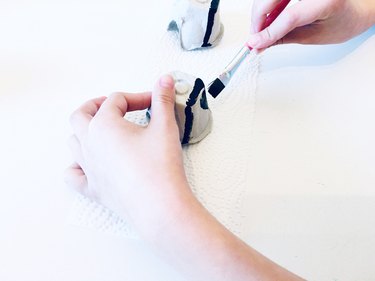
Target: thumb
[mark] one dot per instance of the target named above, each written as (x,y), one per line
(163,100)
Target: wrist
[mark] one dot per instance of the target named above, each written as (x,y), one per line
(154,214)
(174,216)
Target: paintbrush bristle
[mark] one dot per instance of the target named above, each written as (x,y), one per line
(216,87)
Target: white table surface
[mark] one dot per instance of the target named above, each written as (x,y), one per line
(311,205)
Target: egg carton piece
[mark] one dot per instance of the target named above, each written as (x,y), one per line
(197,23)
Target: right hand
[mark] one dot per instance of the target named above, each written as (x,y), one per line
(311,22)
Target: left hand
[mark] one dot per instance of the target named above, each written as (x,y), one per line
(136,171)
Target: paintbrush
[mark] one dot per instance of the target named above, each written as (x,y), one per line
(218,85)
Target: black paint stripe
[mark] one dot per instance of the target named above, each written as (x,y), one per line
(189,117)
(210,22)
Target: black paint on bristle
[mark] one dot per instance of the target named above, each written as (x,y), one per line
(216,87)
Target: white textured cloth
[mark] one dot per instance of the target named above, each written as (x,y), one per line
(216,167)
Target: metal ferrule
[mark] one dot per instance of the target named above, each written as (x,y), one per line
(231,68)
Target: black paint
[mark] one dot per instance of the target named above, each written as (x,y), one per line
(210,22)
(216,87)
(189,117)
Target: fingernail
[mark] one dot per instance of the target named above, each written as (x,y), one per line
(166,82)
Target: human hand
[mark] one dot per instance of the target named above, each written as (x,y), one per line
(311,22)
(136,171)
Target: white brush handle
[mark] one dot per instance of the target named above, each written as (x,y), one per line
(231,68)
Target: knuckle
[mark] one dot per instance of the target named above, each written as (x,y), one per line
(100,126)
(265,38)
(97,123)
(290,18)
(115,95)
(165,98)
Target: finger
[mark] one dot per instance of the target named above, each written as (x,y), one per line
(76,178)
(117,104)
(81,118)
(259,13)
(316,33)
(75,148)
(163,101)
(309,34)
(300,14)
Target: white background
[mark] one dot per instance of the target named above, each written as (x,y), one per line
(311,205)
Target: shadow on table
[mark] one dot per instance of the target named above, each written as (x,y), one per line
(293,55)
